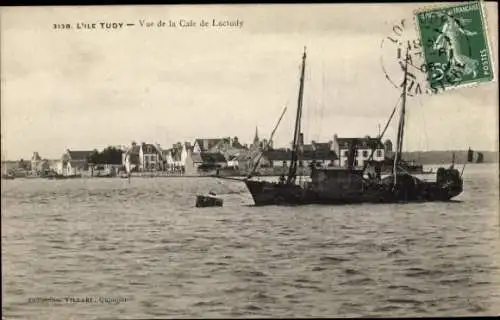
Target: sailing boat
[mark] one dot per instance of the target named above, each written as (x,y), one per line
(348,185)
(128,165)
(470,156)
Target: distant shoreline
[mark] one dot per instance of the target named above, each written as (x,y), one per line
(187,176)
(432,157)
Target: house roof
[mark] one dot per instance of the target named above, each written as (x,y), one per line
(79,155)
(208,157)
(36,157)
(360,143)
(317,146)
(206,144)
(176,153)
(238,145)
(286,155)
(212,157)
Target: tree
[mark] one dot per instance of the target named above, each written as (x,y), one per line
(94,157)
(110,155)
(23,164)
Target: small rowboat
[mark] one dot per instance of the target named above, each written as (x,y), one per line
(208,201)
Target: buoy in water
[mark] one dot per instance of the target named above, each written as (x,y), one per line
(208,201)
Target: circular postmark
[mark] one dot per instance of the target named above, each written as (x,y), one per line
(393,53)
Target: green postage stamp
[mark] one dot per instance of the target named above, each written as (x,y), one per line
(455,45)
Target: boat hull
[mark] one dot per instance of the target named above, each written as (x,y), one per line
(408,189)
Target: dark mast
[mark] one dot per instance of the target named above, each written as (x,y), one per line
(292,173)
(401,125)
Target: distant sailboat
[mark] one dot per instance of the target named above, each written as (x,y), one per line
(127,166)
(479,157)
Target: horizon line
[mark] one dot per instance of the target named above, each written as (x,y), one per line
(408,151)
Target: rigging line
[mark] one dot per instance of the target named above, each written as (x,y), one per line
(385,128)
(310,109)
(310,106)
(313,107)
(317,119)
(268,143)
(323,98)
(422,113)
(379,138)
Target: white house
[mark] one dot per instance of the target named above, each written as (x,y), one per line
(177,158)
(168,158)
(363,148)
(75,162)
(150,157)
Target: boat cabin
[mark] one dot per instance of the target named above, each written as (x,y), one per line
(338,180)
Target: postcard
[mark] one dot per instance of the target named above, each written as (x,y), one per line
(301,160)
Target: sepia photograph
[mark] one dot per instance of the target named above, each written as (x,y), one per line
(250,161)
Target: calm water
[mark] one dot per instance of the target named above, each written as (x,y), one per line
(146,251)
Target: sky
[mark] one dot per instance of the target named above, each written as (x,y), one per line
(85,89)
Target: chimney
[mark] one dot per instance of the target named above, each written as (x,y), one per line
(205,144)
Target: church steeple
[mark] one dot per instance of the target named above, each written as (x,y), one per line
(256,137)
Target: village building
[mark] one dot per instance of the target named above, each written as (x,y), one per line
(149,157)
(206,161)
(133,152)
(74,162)
(205,144)
(244,159)
(178,158)
(363,147)
(220,153)
(227,145)
(282,158)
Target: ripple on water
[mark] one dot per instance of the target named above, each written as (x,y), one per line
(145,240)
(332,260)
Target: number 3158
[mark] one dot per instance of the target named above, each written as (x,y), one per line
(61,26)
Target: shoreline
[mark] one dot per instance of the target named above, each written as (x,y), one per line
(142,177)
